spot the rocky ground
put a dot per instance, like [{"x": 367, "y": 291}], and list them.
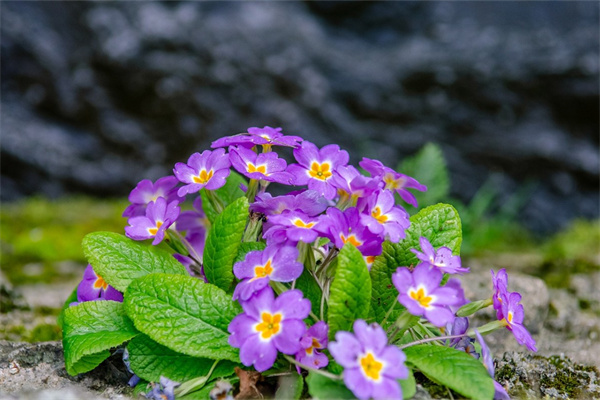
[{"x": 565, "y": 323}]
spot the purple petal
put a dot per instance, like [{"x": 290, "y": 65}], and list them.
[
  {"x": 288, "y": 340},
  {"x": 345, "y": 349},
  {"x": 358, "y": 384},
  {"x": 258, "y": 353}
]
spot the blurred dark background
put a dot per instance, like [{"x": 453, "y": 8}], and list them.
[{"x": 99, "y": 95}]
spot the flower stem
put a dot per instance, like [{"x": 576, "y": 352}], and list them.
[
  {"x": 432, "y": 339},
  {"x": 387, "y": 315},
  {"x": 196, "y": 383},
  {"x": 215, "y": 201},
  {"x": 309, "y": 368}
]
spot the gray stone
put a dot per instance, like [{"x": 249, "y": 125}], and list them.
[{"x": 37, "y": 371}]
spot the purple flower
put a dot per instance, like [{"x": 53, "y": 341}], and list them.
[
  {"x": 371, "y": 366},
  {"x": 350, "y": 184},
  {"x": 313, "y": 340},
  {"x": 268, "y": 325},
  {"x": 207, "y": 170},
  {"x": 309, "y": 202},
  {"x": 345, "y": 227},
  {"x": 265, "y": 136},
  {"x": 455, "y": 285},
  {"x": 146, "y": 192},
  {"x": 293, "y": 226},
  {"x": 421, "y": 294},
  {"x": 193, "y": 220},
  {"x": 393, "y": 180},
  {"x": 276, "y": 263},
  {"x": 316, "y": 167},
  {"x": 382, "y": 217},
  {"x": 159, "y": 216},
  {"x": 499, "y": 391},
  {"x": 164, "y": 390},
  {"x": 442, "y": 259},
  {"x": 500, "y": 283},
  {"x": 459, "y": 326},
  {"x": 513, "y": 318},
  {"x": 265, "y": 166},
  {"x": 94, "y": 287}
]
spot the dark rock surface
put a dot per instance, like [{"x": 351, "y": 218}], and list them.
[{"x": 96, "y": 96}]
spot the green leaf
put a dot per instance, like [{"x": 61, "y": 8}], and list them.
[
  {"x": 311, "y": 290},
  {"x": 183, "y": 314},
  {"x": 440, "y": 224},
  {"x": 247, "y": 247},
  {"x": 72, "y": 298},
  {"x": 202, "y": 394},
  {"x": 322, "y": 387},
  {"x": 150, "y": 360},
  {"x": 452, "y": 368},
  {"x": 428, "y": 167},
  {"x": 120, "y": 260},
  {"x": 228, "y": 194},
  {"x": 408, "y": 385},
  {"x": 290, "y": 387},
  {"x": 223, "y": 242},
  {"x": 350, "y": 291},
  {"x": 90, "y": 330}
]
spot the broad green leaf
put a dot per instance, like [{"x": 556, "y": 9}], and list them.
[
  {"x": 409, "y": 386},
  {"x": 428, "y": 167},
  {"x": 452, "y": 368},
  {"x": 228, "y": 194},
  {"x": 322, "y": 387},
  {"x": 311, "y": 290},
  {"x": 350, "y": 291},
  {"x": 183, "y": 314},
  {"x": 72, "y": 298},
  {"x": 290, "y": 387},
  {"x": 202, "y": 394},
  {"x": 120, "y": 260},
  {"x": 223, "y": 242},
  {"x": 150, "y": 360},
  {"x": 90, "y": 329},
  {"x": 440, "y": 224},
  {"x": 247, "y": 247}
]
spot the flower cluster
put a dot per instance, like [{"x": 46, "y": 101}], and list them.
[{"x": 297, "y": 237}]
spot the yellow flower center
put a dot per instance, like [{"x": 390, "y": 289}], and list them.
[
  {"x": 100, "y": 283},
  {"x": 370, "y": 259},
  {"x": 270, "y": 325},
  {"x": 261, "y": 271},
  {"x": 301, "y": 224},
  {"x": 315, "y": 345},
  {"x": 203, "y": 177},
  {"x": 320, "y": 171},
  {"x": 371, "y": 367},
  {"x": 253, "y": 168},
  {"x": 509, "y": 317},
  {"x": 154, "y": 231},
  {"x": 391, "y": 183},
  {"x": 421, "y": 297},
  {"x": 352, "y": 239},
  {"x": 376, "y": 213}
]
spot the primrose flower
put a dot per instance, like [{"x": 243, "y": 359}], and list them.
[
  {"x": 265, "y": 166},
  {"x": 164, "y": 390},
  {"x": 293, "y": 226},
  {"x": 159, "y": 216},
  {"x": 500, "y": 283},
  {"x": 383, "y": 217},
  {"x": 309, "y": 202},
  {"x": 499, "y": 391},
  {"x": 371, "y": 366},
  {"x": 146, "y": 192},
  {"x": 345, "y": 227},
  {"x": 442, "y": 259},
  {"x": 268, "y": 325},
  {"x": 421, "y": 294},
  {"x": 513, "y": 318},
  {"x": 351, "y": 184},
  {"x": 207, "y": 170},
  {"x": 265, "y": 136},
  {"x": 276, "y": 263},
  {"x": 315, "y": 167},
  {"x": 94, "y": 287},
  {"x": 313, "y": 340},
  {"x": 393, "y": 180}
]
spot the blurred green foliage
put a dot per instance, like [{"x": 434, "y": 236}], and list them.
[{"x": 37, "y": 233}]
